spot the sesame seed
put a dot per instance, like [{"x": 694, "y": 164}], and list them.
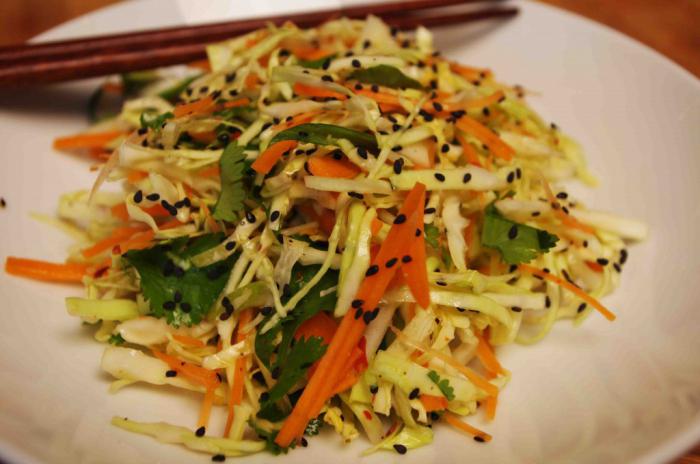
[
  {"x": 513, "y": 232},
  {"x": 170, "y": 373},
  {"x": 401, "y": 449},
  {"x": 461, "y": 310},
  {"x": 233, "y": 92},
  {"x": 366, "y": 43},
  {"x": 535, "y": 213},
  {"x": 617, "y": 267},
  {"x": 373, "y": 269},
  {"x": 396, "y": 127},
  {"x": 224, "y": 316},
  {"x": 356, "y": 63},
  {"x": 362, "y": 152},
  {"x": 200, "y": 431},
  {"x": 326, "y": 64},
  {"x": 479, "y": 438},
  {"x": 142, "y": 131},
  {"x": 581, "y": 308},
  {"x": 467, "y": 177},
  {"x": 204, "y": 89},
  {"x": 391, "y": 262},
  {"x": 169, "y": 305},
  {"x": 405, "y": 43},
  {"x": 441, "y": 283},
  {"x": 274, "y": 216},
  {"x": 437, "y": 106},
  {"x": 418, "y": 232},
  {"x": 215, "y": 94},
  {"x": 516, "y": 309},
  {"x": 373, "y": 389},
  {"x": 547, "y": 301},
  {"x": 396, "y": 148},
  {"x": 218, "y": 458},
  {"x": 304, "y": 442},
  {"x": 394, "y": 30},
  {"x": 250, "y": 217},
  {"x": 358, "y": 313},
  {"x": 486, "y": 111},
  {"x": 562, "y": 195},
  {"x": 428, "y": 210},
  {"x": 439, "y": 176},
  {"x": 398, "y": 165},
  {"x": 623, "y": 256},
  {"x": 185, "y": 307},
  {"x": 266, "y": 310},
  {"x": 602, "y": 261},
  {"x": 357, "y": 195},
  {"x": 138, "y": 196},
  {"x": 230, "y": 246},
  {"x": 177, "y": 296},
  {"x": 406, "y": 259},
  {"x": 565, "y": 209},
  {"x": 375, "y": 88},
  {"x": 414, "y": 393},
  {"x": 356, "y": 303},
  {"x": 511, "y": 177},
  {"x": 400, "y": 219},
  {"x": 358, "y": 87}
]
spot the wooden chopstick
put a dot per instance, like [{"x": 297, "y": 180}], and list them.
[{"x": 76, "y": 59}]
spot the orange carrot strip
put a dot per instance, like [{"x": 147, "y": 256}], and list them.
[
  {"x": 433, "y": 402},
  {"x": 301, "y": 118},
  {"x": 204, "y": 137},
  {"x": 43, "y": 270},
  {"x": 380, "y": 97},
  {"x": 205, "y": 411},
  {"x": 321, "y": 385},
  {"x": 593, "y": 266},
  {"x": 389, "y": 108},
  {"x": 486, "y": 356},
  {"x": 117, "y": 236},
  {"x": 201, "y": 106},
  {"x": 212, "y": 171},
  {"x": 137, "y": 242},
  {"x": 410, "y": 312},
  {"x": 326, "y": 166},
  {"x": 236, "y": 394},
  {"x": 496, "y": 146},
  {"x": 566, "y": 219},
  {"x": 199, "y": 375},
  {"x": 454, "y": 421},
  {"x": 200, "y": 64},
  {"x": 415, "y": 272},
  {"x": 251, "y": 80},
  {"x": 571, "y": 287},
  {"x": 135, "y": 175},
  {"x": 236, "y": 103},
  {"x": 468, "y": 72},
  {"x": 468, "y": 151},
  {"x": 376, "y": 226},
  {"x": 325, "y": 219},
  {"x": 119, "y": 211},
  {"x": 321, "y": 325},
  {"x": 90, "y": 140},
  {"x": 271, "y": 155},
  {"x": 475, "y": 103},
  {"x": 189, "y": 341},
  {"x": 317, "y": 92}
]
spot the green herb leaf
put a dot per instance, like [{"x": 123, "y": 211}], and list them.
[
  {"x": 326, "y": 134},
  {"x": 151, "y": 120},
  {"x": 269, "y": 437},
  {"x": 171, "y": 93},
  {"x": 230, "y": 201},
  {"x": 116, "y": 339},
  {"x": 517, "y": 243},
  {"x": 432, "y": 235},
  {"x": 301, "y": 356},
  {"x": 165, "y": 269},
  {"x": 385, "y": 75},
  {"x": 443, "y": 385},
  {"x": 316, "y": 64},
  {"x": 313, "y": 427}
]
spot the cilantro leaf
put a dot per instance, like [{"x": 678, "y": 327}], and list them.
[
  {"x": 301, "y": 356},
  {"x": 151, "y": 120},
  {"x": 166, "y": 269},
  {"x": 385, "y": 75},
  {"x": 443, "y": 385},
  {"x": 432, "y": 235},
  {"x": 313, "y": 427},
  {"x": 230, "y": 202},
  {"x": 269, "y": 437},
  {"x": 326, "y": 134},
  {"x": 517, "y": 243},
  {"x": 116, "y": 339}
]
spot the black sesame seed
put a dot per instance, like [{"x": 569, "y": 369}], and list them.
[
  {"x": 602, "y": 261},
  {"x": 375, "y": 88},
  {"x": 437, "y": 106},
  {"x": 357, "y": 195},
  {"x": 467, "y": 177},
  {"x": 461, "y": 310},
  {"x": 356, "y": 303},
  {"x": 418, "y": 232},
  {"x": 369, "y": 316},
  {"x": 486, "y": 111},
  {"x": 230, "y": 246},
  {"x": 250, "y": 217},
  {"x": 304, "y": 442},
  {"x": 200, "y": 431},
  {"x": 185, "y": 307},
  {"x": 398, "y": 165},
  {"x": 179, "y": 204},
  {"x": 170, "y": 373},
  {"x": 274, "y": 216},
  {"x": 138, "y": 196},
  {"x": 153, "y": 197},
  {"x": 511, "y": 177},
  {"x": 439, "y": 176},
  {"x": 258, "y": 377},
  {"x": 391, "y": 262},
  {"x": 547, "y": 301},
  {"x": 233, "y": 92},
  {"x": 428, "y": 210},
  {"x": 326, "y": 64},
  {"x": 204, "y": 89},
  {"x": 366, "y": 43},
  {"x": 516, "y": 309},
  {"x": 373, "y": 269},
  {"x": 433, "y": 84},
  {"x": 518, "y": 173},
  {"x": 581, "y": 308},
  {"x": 562, "y": 195},
  {"x": 617, "y": 267},
  {"x": 264, "y": 396},
  {"x": 358, "y": 87},
  {"x": 215, "y": 94},
  {"x": 441, "y": 283},
  {"x": 445, "y": 148},
  {"x": 169, "y": 305},
  {"x": 168, "y": 268},
  {"x": 400, "y": 219},
  {"x": 362, "y": 152},
  {"x": 458, "y": 114},
  {"x": 479, "y": 438},
  {"x": 224, "y": 316},
  {"x": 414, "y": 393},
  {"x": 358, "y": 313},
  {"x": 266, "y": 310},
  {"x": 623, "y": 256},
  {"x": 513, "y": 232},
  {"x": 218, "y": 458},
  {"x": 356, "y": 63},
  {"x": 177, "y": 296},
  {"x": 406, "y": 259},
  {"x": 396, "y": 148},
  {"x": 275, "y": 373},
  {"x": 373, "y": 389},
  {"x": 401, "y": 449},
  {"x": 142, "y": 131},
  {"x": 327, "y": 78}
]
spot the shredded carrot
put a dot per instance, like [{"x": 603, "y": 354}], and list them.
[
  {"x": 380, "y": 97},
  {"x": 321, "y": 325},
  {"x": 321, "y": 385},
  {"x": 308, "y": 52},
  {"x": 487, "y": 357},
  {"x": 189, "y": 341},
  {"x": 135, "y": 175},
  {"x": 205, "y": 411},
  {"x": 204, "y": 136},
  {"x": 89, "y": 140},
  {"x": 137, "y": 242},
  {"x": 389, "y": 108},
  {"x": 433, "y": 402},
  {"x": 236, "y": 393},
  {"x": 271, "y": 155},
  {"x": 376, "y": 226},
  {"x": 43, "y": 270},
  {"x": 455, "y": 422},
  {"x": 317, "y": 92},
  {"x": 236, "y": 103},
  {"x": 326, "y": 166},
  {"x": 251, "y": 80},
  {"x": 119, "y": 211},
  {"x": 468, "y": 72},
  {"x": 468, "y": 151},
  {"x": 213, "y": 225},
  {"x": 197, "y": 374},
  {"x": 301, "y": 118},
  {"x": 571, "y": 287},
  {"x": 476, "y": 379},
  {"x": 476, "y": 103},
  {"x": 212, "y": 171},
  {"x": 566, "y": 219},
  {"x": 200, "y": 64},
  {"x": 201, "y": 106},
  {"x": 117, "y": 236},
  {"x": 490, "y": 403},
  {"x": 325, "y": 219},
  {"x": 415, "y": 272},
  {"x": 410, "y": 312},
  {"x": 593, "y": 266},
  {"x": 496, "y": 146}
]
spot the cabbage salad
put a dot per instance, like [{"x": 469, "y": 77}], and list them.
[{"x": 330, "y": 228}]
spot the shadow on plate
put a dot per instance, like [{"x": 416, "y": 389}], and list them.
[{"x": 63, "y": 99}]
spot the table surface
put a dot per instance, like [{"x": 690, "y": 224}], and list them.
[{"x": 669, "y": 27}]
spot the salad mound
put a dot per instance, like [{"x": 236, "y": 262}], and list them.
[{"x": 326, "y": 228}]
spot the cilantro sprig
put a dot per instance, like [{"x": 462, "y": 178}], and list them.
[
  {"x": 233, "y": 192},
  {"x": 443, "y": 385}
]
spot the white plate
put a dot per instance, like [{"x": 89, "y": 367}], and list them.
[{"x": 622, "y": 392}]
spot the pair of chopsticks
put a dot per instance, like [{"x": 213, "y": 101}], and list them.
[{"x": 44, "y": 63}]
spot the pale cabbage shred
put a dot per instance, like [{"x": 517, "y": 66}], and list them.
[{"x": 515, "y": 306}]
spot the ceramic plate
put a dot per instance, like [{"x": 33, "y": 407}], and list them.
[{"x": 622, "y": 392}]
